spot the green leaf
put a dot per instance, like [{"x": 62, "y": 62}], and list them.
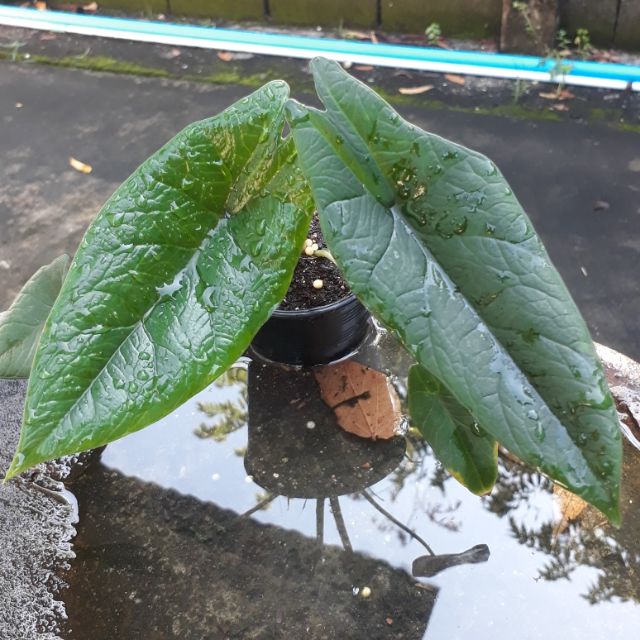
[
  {"x": 21, "y": 324},
  {"x": 466, "y": 450},
  {"x": 173, "y": 279},
  {"x": 434, "y": 242}
]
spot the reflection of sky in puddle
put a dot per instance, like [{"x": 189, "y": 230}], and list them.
[{"x": 505, "y": 596}]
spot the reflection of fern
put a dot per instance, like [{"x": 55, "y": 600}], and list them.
[
  {"x": 513, "y": 489},
  {"x": 579, "y": 546},
  {"x": 228, "y": 415}
]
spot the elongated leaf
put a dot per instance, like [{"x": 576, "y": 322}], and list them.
[
  {"x": 467, "y": 451},
  {"x": 21, "y": 324},
  {"x": 434, "y": 242},
  {"x": 180, "y": 269}
]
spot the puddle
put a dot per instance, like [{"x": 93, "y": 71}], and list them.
[{"x": 249, "y": 514}]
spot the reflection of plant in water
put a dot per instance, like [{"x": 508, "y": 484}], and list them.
[
  {"x": 584, "y": 544},
  {"x": 228, "y": 415},
  {"x": 413, "y": 467}
]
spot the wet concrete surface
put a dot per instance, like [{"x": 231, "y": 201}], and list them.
[
  {"x": 579, "y": 181},
  {"x": 36, "y": 528}
]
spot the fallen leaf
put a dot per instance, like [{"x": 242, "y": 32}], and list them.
[
  {"x": 225, "y": 56},
  {"x": 571, "y": 507},
  {"x": 374, "y": 37},
  {"x": 82, "y": 167},
  {"x": 363, "y": 67},
  {"x": 389, "y": 620},
  {"x": 557, "y": 95},
  {"x": 350, "y": 34},
  {"x": 451, "y": 77},
  {"x": 91, "y": 7},
  {"x": 363, "y": 400},
  {"x": 601, "y": 205},
  {"x": 413, "y": 91},
  {"x": 559, "y": 107},
  {"x": 41, "y": 6}
]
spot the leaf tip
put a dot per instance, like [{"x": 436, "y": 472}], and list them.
[{"x": 295, "y": 112}]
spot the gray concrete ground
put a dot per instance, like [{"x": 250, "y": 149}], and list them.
[
  {"x": 35, "y": 536},
  {"x": 578, "y": 179}
]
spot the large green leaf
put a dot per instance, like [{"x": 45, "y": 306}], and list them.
[
  {"x": 21, "y": 324},
  {"x": 433, "y": 241},
  {"x": 174, "y": 277},
  {"x": 468, "y": 452}
]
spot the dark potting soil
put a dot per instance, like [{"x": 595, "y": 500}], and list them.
[{"x": 302, "y": 294}]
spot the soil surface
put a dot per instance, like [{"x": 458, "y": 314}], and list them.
[{"x": 302, "y": 294}]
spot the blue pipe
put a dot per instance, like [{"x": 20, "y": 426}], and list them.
[{"x": 331, "y": 47}]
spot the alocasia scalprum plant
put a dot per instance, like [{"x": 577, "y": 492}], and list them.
[{"x": 194, "y": 251}]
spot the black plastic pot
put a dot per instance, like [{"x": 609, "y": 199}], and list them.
[{"x": 313, "y": 336}]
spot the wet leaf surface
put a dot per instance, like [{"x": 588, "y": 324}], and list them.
[
  {"x": 431, "y": 238},
  {"x": 173, "y": 279},
  {"x": 466, "y": 450},
  {"x": 22, "y": 324}
]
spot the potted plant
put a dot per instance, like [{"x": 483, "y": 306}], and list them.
[{"x": 192, "y": 254}]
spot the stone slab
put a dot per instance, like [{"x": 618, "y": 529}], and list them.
[
  {"x": 457, "y": 18},
  {"x": 145, "y": 6},
  {"x": 219, "y": 9},
  {"x": 627, "y": 33},
  {"x": 532, "y": 31},
  {"x": 333, "y": 13},
  {"x": 598, "y": 16}
]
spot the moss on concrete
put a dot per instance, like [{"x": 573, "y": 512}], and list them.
[
  {"x": 89, "y": 63},
  {"x": 235, "y": 76}
]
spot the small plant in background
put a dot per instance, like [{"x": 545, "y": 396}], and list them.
[
  {"x": 433, "y": 33},
  {"x": 193, "y": 252},
  {"x": 582, "y": 42},
  {"x": 561, "y": 66}
]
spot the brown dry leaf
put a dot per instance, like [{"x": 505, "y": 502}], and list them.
[
  {"x": 363, "y": 67},
  {"x": 571, "y": 507},
  {"x": 362, "y": 399},
  {"x": 374, "y": 37},
  {"x": 351, "y": 34},
  {"x": 557, "y": 95},
  {"x": 413, "y": 91},
  {"x": 559, "y": 107},
  {"x": 225, "y": 56},
  {"x": 451, "y": 77},
  {"x": 91, "y": 7},
  {"x": 41, "y": 6},
  {"x": 82, "y": 167}
]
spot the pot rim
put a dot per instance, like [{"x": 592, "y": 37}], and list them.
[{"x": 316, "y": 311}]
